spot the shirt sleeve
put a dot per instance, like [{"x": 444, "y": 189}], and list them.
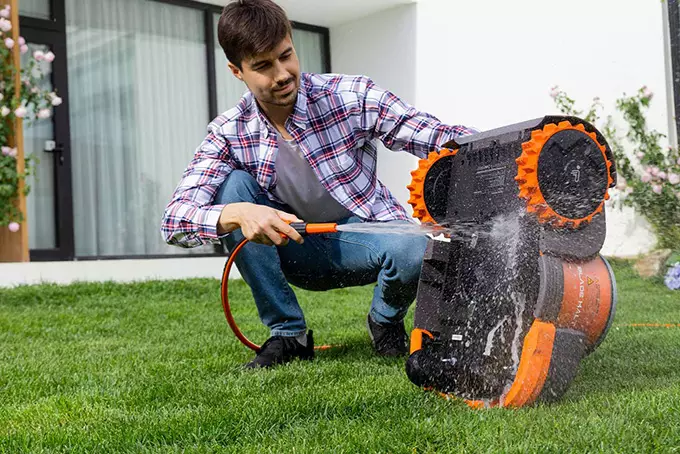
[
  {"x": 402, "y": 127},
  {"x": 190, "y": 219}
]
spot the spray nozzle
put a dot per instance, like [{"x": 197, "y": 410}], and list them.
[{"x": 308, "y": 228}]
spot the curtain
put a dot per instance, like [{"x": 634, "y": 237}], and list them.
[
  {"x": 40, "y": 203},
  {"x": 308, "y": 45},
  {"x": 35, "y": 8},
  {"x": 138, "y": 108}
]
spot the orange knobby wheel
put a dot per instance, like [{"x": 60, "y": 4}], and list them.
[
  {"x": 564, "y": 175},
  {"x": 417, "y": 186}
]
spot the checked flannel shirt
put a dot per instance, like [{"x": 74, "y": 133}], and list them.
[{"x": 336, "y": 121}]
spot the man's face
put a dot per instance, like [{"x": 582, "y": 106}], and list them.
[{"x": 273, "y": 77}]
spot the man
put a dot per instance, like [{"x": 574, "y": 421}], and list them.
[{"x": 302, "y": 147}]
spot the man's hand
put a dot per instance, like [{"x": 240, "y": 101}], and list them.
[{"x": 259, "y": 223}]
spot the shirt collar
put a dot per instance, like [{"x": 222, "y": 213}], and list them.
[{"x": 299, "y": 115}]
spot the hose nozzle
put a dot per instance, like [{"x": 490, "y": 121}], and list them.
[{"x": 308, "y": 228}]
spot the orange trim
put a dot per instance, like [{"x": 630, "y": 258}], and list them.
[
  {"x": 651, "y": 325},
  {"x": 417, "y": 339},
  {"x": 533, "y": 365},
  {"x": 587, "y": 299},
  {"x": 321, "y": 228},
  {"x": 417, "y": 186},
  {"x": 527, "y": 175}
]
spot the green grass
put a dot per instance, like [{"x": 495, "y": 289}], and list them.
[{"x": 153, "y": 367}]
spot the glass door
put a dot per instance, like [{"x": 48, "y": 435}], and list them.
[{"x": 49, "y": 203}]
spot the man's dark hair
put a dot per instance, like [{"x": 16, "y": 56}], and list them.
[{"x": 250, "y": 27}]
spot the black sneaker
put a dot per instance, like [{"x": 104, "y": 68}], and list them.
[
  {"x": 388, "y": 340},
  {"x": 282, "y": 349}
]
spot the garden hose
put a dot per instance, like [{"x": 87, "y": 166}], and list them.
[{"x": 303, "y": 229}]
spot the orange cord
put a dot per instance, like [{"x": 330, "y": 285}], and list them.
[
  {"x": 225, "y": 299},
  {"x": 650, "y": 325}
]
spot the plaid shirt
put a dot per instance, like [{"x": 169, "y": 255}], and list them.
[{"x": 336, "y": 121}]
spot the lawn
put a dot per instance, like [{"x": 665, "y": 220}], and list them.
[{"x": 153, "y": 367}]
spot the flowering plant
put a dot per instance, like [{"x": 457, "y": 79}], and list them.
[
  {"x": 672, "y": 279},
  {"x": 648, "y": 176},
  {"x": 30, "y": 104}
]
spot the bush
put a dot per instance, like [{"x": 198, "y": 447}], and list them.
[{"x": 649, "y": 176}]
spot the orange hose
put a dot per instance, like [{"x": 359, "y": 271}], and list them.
[
  {"x": 225, "y": 299},
  {"x": 310, "y": 229}
]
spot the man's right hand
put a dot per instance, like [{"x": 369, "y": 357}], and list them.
[{"x": 259, "y": 223}]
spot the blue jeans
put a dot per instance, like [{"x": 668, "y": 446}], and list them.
[{"x": 323, "y": 262}]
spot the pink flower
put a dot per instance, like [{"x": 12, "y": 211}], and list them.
[
  {"x": 44, "y": 113},
  {"x": 9, "y": 42},
  {"x": 646, "y": 178},
  {"x": 20, "y": 111},
  {"x": 640, "y": 155},
  {"x": 646, "y": 92},
  {"x": 49, "y": 57},
  {"x": 554, "y": 91},
  {"x": 654, "y": 171},
  {"x": 5, "y": 12},
  {"x": 56, "y": 100},
  {"x": 4, "y": 111},
  {"x": 661, "y": 175},
  {"x": 11, "y": 152},
  {"x": 656, "y": 188},
  {"x": 38, "y": 55},
  {"x": 13, "y": 227},
  {"x": 22, "y": 41},
  {"x": 5, "y": 25},
  {"x": 23, "y": 48},
  {"x": 674, "y": 178}
]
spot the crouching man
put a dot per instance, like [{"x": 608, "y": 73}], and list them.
[{"x": 302, "y": 147}]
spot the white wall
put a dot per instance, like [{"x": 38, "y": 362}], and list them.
[
  {"x": 490, "y": 64},
  {"x": 382, "y": 46}
]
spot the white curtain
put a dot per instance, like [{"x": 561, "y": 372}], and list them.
[
  {"x": 308, "y": 45},
  {"x": 138, "y": 108}
]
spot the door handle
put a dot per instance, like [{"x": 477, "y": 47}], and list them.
[{"x": 52, "y": 147}]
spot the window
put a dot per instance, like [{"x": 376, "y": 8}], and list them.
[
  {"x": 138, "y": 108},
  {"x": 39, "y": 9}
]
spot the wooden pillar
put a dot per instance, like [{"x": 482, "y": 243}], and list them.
[{"x": 14, "y": 246}]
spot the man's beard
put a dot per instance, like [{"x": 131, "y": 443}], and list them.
[{"x": 287, "y": 99}]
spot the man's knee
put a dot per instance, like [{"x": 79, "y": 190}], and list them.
[
  {"x": 240, "y": 186},
  {"x": 407, "y": 257}
]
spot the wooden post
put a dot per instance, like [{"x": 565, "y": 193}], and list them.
[{"x": 14, "y": 246}]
